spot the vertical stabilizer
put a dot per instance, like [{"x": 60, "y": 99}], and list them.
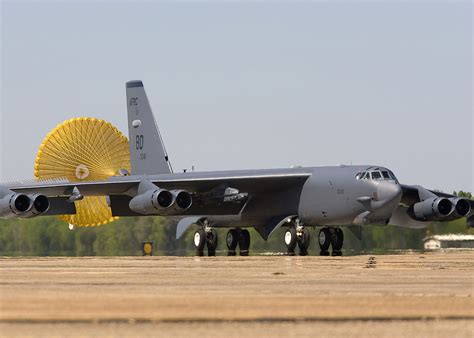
[{"x": 147, "y": 151}]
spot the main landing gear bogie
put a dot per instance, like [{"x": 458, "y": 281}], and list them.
[
  {"x": 207, "y": 236},
  {"x": 238, "y": 237},
  {"x": 330, "y": 237},
  {"x": 297, "y": 235}
]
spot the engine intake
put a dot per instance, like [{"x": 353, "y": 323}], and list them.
[
  {"x": 433, "y": 209},
  {"x": 14, "y": 205},
  {"x": 461, "y": 208},
  {"x": 183, "y": 200},
  {"x": 152, "y": 202},
  {"x": 39, "y": 206}
]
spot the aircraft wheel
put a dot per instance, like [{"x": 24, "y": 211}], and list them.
[
  {"x": 232, "y": 240},
  {"x": 290, "y": 240},
  {"x": 337, "y": 239},
  {"x": 211, "y": 240},
  {"x": 304, "y": 241},
  {"x": 199, "y": 242},
  {"x": 324, "y": 239},
  {"x": 244, "y": 242}
]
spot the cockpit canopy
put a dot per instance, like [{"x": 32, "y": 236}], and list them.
[{"x": 376, "y": 174}]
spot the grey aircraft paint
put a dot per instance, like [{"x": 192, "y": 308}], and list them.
[{"x": 296, "y": 198}]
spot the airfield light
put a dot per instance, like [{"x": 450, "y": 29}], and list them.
[{"x": 147, "y": 248}]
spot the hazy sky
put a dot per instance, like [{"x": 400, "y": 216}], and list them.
[{"x": 251, "y": 85}]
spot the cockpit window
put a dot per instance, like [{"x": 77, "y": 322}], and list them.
[
  {"x": 392, "y": 175},
  {"x": 385, "y": 175},
  {"x": 359, "y": 176},
  {"x": 376, "y": 175}
]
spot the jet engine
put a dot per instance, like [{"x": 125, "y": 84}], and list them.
[
  {"x": 152, "y": 202},
  {"x": 39, "y": 206},
  {"x": 432, "y": 209},
  {"x": 14, "y": 205},
  {"x": 183, "y": 200},
  {"x": 461, "y": 208}
]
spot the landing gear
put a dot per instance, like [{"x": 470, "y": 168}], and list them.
[
  {"x": 337, "y": 239},
  {"x": 211, "y": 240},
  {"x": 304, "y": 241},
  {"x": 232, "y": 240},
  {"x": 244, "y": 242},
  {"x": 330, "y": 237},
  {"x": 297, "y": 235},
  {"x": 238, "y": 237},
  {"x": 205, "y": 236},
  {"x": 199, "y": 241},
  {"x": 290, "y": 241}
]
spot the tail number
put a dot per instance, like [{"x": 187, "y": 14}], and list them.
[
  {"x": 139, "y": 142},
  {"x": 139, "y": 139}
]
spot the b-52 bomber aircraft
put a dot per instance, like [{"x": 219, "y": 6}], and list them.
[{"x": 298, "y": 199}]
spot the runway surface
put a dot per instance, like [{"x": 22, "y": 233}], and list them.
[{"x": 421, "y": 294}]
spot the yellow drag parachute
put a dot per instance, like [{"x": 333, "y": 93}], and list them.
[{"x": 84, "y": 149}]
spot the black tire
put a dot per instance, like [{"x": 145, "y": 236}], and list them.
[
  {"x": 290, "y": 240},
  {"x": 244, "y": 242},
  {"x": 211, "y": 240},
  {"x": 232, "y": 239},
  {"x": 199, "y": 240},
  {"x": 337, "y": 239},
  {"x": 304, "y": 242},
  {"x": 324, "y": 239}
]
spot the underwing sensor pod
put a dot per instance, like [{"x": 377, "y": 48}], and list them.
[
  {"x": 159, "y": 201},
  {"x": 13, "y": 204}
]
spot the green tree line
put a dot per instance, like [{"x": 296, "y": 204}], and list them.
[{"x": 48, "y": 236}]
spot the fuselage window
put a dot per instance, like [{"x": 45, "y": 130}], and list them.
[
  {"x": 376, "y": 175},
  {"x": 385, "y": 175}
]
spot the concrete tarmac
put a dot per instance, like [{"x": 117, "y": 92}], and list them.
[{"x": 408, "y": 294}]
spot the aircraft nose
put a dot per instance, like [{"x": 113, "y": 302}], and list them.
[{"x": 389, "y": 191}]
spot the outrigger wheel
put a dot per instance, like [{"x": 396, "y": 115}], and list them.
[{"x": 84, "y": 149}]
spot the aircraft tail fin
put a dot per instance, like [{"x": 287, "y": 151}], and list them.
[{"x": 147, "y": 151}]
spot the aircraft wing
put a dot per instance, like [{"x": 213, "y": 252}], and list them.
[
  {"x": 412, "y": 194},
  {"x": 209, "y": 189},
  {"x": 192, "y": 182}
]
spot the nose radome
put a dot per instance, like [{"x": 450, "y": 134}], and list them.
[{"x": 388, "y": 191}]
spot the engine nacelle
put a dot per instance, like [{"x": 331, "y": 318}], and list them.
[
  {"x": 39, "y": 206},
  {"x": 461, "y": 208},
  {"x": 182, "y": 200},
  {"x": 433, "y": 209},
  {"x": 14, "y": 205},
  {"x": 152, "y": 202}
]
